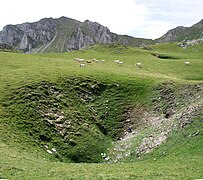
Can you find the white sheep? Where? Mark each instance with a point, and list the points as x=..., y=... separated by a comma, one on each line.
x=82, y=65
x=107, y=158
x=88, y=61
x=81, y=60
x=116, y=61
x=103, y=60
x=187, y=63
x=139, y=65
x=53, y=149
x=50, y=152
x=121, y=63
x=76, y=59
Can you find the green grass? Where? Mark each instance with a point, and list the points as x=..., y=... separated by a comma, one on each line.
x=31, y=85
x=18, y=165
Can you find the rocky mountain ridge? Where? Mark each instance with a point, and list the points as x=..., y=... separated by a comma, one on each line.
x=66, y=34
x=61, y=35
x=182, y=33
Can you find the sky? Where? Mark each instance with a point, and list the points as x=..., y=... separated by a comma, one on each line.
x=138, y=18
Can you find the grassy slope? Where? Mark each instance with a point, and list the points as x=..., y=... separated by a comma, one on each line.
x=17, y=158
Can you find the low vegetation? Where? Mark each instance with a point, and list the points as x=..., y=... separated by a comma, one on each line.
x=63, y=121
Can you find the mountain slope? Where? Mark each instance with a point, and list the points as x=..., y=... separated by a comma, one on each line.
x=181, y=33
x=61, y=35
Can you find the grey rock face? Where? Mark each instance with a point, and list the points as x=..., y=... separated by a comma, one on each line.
x=11, y=35
x=42, y=31
x=26, y=43
x=102, y=34
x=78, y=40
x=88, y=33
x=28, y=35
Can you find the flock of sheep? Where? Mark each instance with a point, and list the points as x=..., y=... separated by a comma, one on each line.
x=83, y=61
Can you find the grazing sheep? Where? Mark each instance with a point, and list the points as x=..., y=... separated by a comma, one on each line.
x=107, y=158
x=81, y=60
x=103, y=61
x=82, y=65
x=187, y=63
x=138, y=65
x=121, y=63
x=50, y=152
x=76, y=59
x=116, y=61
x=53, y=149
x=88, y=61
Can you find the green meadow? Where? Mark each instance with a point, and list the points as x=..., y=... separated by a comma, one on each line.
x=48, y=99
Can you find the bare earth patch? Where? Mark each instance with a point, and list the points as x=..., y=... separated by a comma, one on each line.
x=156, y=126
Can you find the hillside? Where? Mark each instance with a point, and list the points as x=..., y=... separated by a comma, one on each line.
x=181, y=33
x=56, y=114
x=62, y=35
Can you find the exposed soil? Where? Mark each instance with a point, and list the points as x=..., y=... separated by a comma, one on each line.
x=172, y=107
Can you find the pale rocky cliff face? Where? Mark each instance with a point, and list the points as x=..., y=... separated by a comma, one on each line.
x=88, y=33
x=26, y=42
x=102, y=34
x=78, y=40
x=28, y=35
x=11, y=35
